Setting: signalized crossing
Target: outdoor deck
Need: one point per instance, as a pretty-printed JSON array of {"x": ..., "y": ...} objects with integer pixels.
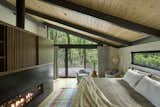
[{"x": 71, "y": 71}]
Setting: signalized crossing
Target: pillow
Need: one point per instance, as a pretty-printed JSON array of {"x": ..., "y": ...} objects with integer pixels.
[
  {"x": 155, "y": 77},
  {"x": 132, "y": 77},
  {"x": 150, "y": 89},
  {"x": 144, "y": 73}
]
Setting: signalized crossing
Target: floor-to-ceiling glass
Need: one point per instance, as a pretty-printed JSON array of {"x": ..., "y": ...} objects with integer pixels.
[{"x": 61, "y": 63}]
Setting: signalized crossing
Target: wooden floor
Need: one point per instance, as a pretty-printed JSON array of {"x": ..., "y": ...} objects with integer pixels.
[{"x": 59, "y": 84}]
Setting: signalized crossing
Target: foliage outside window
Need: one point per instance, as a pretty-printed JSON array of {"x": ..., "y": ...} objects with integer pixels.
[
  {"x": 150, "y": 59},
  {"x": 60, "y": 37},
  {"x": 75, "y": 56}
]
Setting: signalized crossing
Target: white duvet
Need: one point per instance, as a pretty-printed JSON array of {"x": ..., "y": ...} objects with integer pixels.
[{"x": 89, "y": 95}]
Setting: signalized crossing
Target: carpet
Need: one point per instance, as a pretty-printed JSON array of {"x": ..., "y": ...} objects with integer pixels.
[{"x": 63, "y": 98}]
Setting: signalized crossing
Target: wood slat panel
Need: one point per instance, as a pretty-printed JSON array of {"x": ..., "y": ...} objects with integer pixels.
[
  {"x": 45, "y": 51},
  {"x": 3, "y": 65},
  {"x": 21, "y": 49}
]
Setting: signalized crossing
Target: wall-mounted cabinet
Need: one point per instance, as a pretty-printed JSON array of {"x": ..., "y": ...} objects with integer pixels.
[
  {"x": 22, "y": 49},
  {"x": 3, "y": 31}
]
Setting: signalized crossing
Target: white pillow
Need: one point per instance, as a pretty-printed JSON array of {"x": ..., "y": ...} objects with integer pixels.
[
  {"x": 144, "y": 73},
  {"x": 132, "y": 77},
  {"x": 150, "y": 89}
]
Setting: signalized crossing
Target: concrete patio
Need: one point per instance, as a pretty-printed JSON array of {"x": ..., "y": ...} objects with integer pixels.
[{"x": 71, "y": 71}]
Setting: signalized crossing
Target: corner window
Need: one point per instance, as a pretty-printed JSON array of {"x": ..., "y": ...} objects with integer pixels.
[{"x": 149, "y": 59}]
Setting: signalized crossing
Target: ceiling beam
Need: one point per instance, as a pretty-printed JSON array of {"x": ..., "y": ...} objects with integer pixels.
[
  {"x": 100, "y": 15},
  {"x": 79, "y": 34},
  {"x": 105, "y": 36},
  {"x": 89, "y": 46},
  {"x": 71, "y": 32},
  {"x": 10, "y": 6},
  {"x": 20, "y": 16}
]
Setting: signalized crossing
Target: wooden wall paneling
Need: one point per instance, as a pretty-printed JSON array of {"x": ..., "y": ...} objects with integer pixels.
[
  {"x": 37, "y": 50},
  {"x": 5, "y": 49},
  {"x": 21, "y": 49},
  {"x": 9, "y": 47},
  {"x": 42, "y": 54},
  {"x": 29, "y": 50},
  {"x": 24, "y": 49},
  {"x": 15, "y": 36},
  {"x": 1, "y": 39},
  {"x": 45, "y": 51},
  {"x": 2, "y": 48},
  {"x": 8, "y": 67}
]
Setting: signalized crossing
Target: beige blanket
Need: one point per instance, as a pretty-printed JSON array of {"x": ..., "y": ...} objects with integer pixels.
[
  {"x": 89, "y": 95},
  {"x": 108, "y": 92},
  {"x": 120, "y": 93}
]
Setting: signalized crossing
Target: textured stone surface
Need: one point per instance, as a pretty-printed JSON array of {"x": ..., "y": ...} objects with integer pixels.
[{"x": 16, "y": 83}]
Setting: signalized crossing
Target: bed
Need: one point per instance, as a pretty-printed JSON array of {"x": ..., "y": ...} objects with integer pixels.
[{"x": 109, "y": 92}]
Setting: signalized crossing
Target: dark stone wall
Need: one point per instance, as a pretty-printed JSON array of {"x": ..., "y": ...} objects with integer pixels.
[{"x": 14, "y": 84}]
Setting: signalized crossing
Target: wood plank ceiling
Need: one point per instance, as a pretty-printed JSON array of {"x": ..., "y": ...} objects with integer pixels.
[
  {"x": 145, "y": 12},
  {"x": 75, "y": 30},
  {"x": 128, "y": 11}
]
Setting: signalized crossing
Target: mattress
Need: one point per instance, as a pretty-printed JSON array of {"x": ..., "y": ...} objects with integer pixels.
[{"x": 118, "y": 92}]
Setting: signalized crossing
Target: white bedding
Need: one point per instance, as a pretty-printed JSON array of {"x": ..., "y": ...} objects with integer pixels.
[
  {"x": 132, "y": 77},
  {"x": 107, "y": 92},
  {"x": 89, "y": 95},
  {"x": 150, "y": 89}
]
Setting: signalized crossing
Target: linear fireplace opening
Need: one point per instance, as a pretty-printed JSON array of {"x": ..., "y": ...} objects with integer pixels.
[
  {"x": 26, "y": 88},
  {"x": 24, "y": 98}
]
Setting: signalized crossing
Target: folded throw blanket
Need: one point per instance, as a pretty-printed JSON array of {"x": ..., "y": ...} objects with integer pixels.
[{"x": 89, "y": 95}]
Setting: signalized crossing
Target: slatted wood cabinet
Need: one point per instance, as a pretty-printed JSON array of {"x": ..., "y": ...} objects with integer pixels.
[
  {"x": 21, "y": 49},
  {"x": 3, "y": 48}
]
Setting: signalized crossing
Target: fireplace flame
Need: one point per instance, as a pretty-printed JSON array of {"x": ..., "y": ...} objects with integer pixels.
[
  {"x": 22, "y": 99},
  {"x": 12, "y": 105}
]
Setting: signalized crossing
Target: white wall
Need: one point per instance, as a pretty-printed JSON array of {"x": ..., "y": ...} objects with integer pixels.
[
  {"x": 125, "y": 55},
  {"x": 7, "y": 16}
]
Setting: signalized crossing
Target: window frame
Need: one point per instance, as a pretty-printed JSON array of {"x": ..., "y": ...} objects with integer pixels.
[{"x": 142, "y": 65}]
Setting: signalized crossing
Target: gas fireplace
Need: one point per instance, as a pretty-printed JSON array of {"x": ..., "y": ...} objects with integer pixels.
[
  {"x": 24, "y": 98},
  {"x": 26, "y": 88}
]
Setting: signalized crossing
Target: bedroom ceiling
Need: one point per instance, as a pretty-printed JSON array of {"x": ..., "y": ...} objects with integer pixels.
[
  {"x": 142, "y": 12},
  {"x": 145, "y": 12},
  {"x": 42, "y": 20}
]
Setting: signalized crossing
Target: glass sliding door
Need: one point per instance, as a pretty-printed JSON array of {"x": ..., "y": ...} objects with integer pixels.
[
  {"x": 75, "y": 61},
  {"x": 71, "y": 60},
  {"x": 61, "y": 63},
  {"x": 91, "y": 59}
]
